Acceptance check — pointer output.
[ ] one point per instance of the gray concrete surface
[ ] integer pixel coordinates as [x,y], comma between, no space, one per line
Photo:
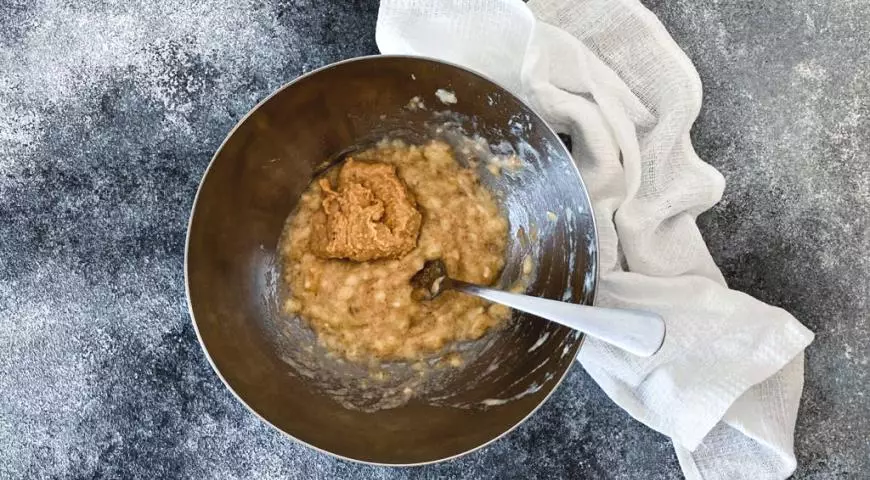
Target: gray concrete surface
[110,111]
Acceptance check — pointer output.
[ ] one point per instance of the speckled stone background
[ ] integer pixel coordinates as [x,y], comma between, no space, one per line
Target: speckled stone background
[110,111]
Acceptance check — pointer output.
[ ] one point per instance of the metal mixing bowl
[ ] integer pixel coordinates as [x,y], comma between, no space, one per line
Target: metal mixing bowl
[271,362]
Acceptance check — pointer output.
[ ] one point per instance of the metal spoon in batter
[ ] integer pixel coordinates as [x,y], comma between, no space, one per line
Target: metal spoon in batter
[635,331]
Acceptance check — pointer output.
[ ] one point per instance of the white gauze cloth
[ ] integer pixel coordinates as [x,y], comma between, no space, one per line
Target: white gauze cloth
[727,382]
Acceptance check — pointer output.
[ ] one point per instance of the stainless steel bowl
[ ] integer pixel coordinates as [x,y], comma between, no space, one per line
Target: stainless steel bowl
[269,361]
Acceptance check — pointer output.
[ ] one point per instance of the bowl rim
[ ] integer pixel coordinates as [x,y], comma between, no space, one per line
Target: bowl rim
[592,294]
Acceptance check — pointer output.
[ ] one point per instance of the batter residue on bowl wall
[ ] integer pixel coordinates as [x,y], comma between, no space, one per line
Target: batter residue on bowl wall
[364,309]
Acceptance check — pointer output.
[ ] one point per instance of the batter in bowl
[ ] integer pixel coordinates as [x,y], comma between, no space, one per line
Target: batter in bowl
[364,229]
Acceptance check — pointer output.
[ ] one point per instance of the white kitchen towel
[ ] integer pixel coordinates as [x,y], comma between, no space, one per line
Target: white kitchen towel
[727,382]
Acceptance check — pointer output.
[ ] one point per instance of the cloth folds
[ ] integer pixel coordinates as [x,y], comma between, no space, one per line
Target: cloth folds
[727,382]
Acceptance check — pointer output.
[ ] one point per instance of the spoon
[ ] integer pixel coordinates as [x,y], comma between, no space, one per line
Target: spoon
[635,331]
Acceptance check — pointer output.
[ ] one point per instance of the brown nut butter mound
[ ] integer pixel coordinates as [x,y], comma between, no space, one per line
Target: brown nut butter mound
[369,216]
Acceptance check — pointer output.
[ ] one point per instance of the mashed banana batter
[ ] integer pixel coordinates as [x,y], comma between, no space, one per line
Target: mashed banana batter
[392,208]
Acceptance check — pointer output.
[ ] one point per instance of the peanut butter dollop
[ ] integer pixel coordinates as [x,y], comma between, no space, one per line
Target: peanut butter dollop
[369,215]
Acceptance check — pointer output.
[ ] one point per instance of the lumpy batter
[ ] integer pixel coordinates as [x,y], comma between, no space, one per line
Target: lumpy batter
[364,211]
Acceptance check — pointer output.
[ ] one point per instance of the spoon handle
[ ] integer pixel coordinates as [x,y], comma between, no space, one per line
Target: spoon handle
[635,331]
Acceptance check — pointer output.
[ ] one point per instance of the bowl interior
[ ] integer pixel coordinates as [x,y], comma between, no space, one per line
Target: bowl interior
[253,184]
